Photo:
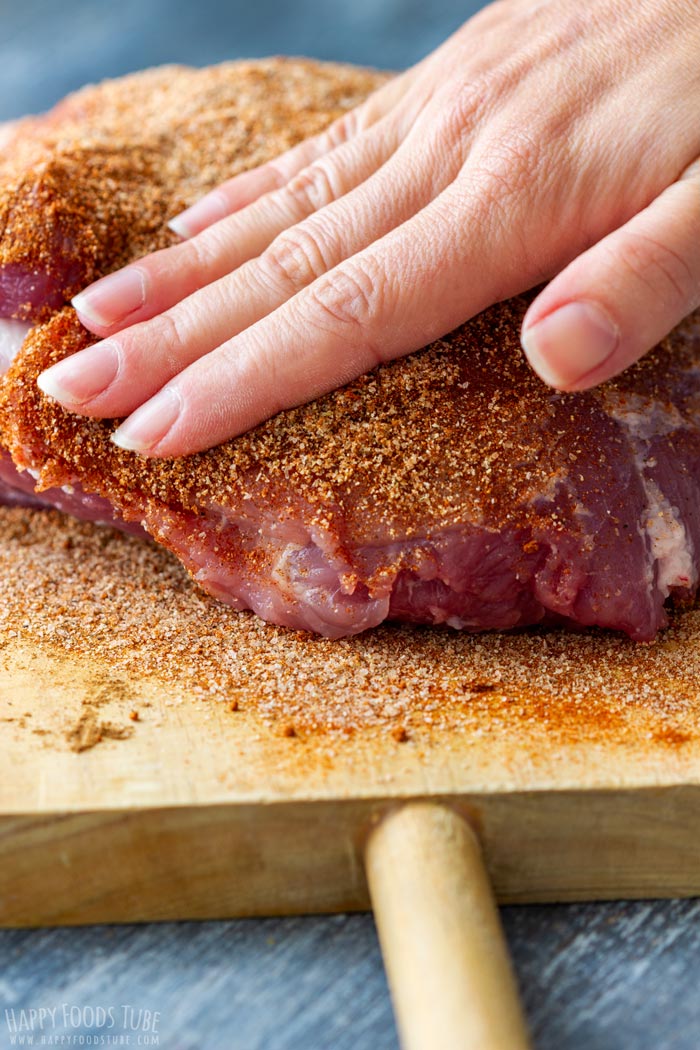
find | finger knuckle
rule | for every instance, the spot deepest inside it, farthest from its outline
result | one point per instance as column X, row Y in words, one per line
column 294, row 259
column 199, row 253
column 500, row 189
column 314, row 187
column 464, row 106
column 658, row 266
column 272, row 174
column 350, row 299
column 508, row 166
column 462, row 109
column 342, row 130
column 169, row 333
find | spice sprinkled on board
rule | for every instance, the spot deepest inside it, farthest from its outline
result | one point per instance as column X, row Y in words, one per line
column 126, row 611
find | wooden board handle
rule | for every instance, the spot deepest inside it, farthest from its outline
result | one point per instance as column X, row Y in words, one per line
column 445, row 954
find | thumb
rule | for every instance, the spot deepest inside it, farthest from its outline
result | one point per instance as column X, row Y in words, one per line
column 622, row 296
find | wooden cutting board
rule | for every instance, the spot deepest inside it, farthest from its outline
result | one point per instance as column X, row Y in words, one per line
column 163, row 757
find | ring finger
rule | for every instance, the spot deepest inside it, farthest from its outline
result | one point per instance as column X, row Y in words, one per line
column 114, row 377
column 158, row 281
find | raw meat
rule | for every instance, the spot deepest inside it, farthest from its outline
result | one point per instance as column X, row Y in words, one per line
column 451, row 487
column 17, row 487
column 17, row 490
column 91, row 184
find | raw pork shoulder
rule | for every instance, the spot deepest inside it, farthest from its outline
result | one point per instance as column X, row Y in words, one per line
column 450, row 487
column 90, row 185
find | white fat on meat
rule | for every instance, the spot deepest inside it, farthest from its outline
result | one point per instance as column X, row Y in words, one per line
column 670, row 547
column 669, row 542
column 12, row 335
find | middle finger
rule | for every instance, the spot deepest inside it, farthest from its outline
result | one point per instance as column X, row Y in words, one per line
column 115, row 377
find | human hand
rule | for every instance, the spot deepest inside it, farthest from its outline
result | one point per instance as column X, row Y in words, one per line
column 6, row 132
column 543, row 141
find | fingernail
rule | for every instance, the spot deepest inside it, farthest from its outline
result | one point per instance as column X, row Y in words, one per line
column 569, row 343
column 205, row 212
column 82, row 376
column 147, row 426
column 112, row 298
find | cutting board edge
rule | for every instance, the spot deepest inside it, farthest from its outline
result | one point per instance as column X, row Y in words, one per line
column 547, row 783
column 215, row 861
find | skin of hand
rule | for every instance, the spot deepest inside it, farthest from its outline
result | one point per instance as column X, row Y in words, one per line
column 545, row 141
column 6, row 131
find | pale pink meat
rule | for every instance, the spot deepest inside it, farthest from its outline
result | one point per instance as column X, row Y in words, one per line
column 17, row 487
column 607, row 542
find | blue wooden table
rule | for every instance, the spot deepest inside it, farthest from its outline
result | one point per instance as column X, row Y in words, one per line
column 594, row 977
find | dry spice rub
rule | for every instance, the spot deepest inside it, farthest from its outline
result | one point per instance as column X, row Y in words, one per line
column 449, row 487
column 90, row 186
column 117, row 609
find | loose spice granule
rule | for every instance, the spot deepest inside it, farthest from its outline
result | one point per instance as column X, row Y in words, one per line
column 126, row 610
column 463, row 431
column 99, row 176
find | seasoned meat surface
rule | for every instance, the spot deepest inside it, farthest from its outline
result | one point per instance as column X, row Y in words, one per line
column 90, row 185
column 448, row 487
